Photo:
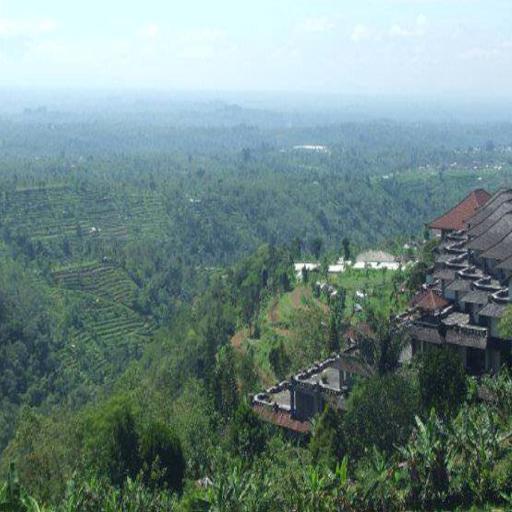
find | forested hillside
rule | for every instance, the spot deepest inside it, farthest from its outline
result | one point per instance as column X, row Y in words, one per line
column 147, row 287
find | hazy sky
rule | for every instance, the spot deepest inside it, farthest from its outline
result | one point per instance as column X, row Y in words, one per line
column 335, row 46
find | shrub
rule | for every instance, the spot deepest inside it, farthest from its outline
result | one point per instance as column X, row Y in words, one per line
column 443, row 382
column 380, row 413
column 162, row 457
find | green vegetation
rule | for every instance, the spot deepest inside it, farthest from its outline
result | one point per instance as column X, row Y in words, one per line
column 147, row 287
column 442, row 382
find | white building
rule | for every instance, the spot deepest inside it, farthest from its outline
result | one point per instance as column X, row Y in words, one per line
column 310, row 267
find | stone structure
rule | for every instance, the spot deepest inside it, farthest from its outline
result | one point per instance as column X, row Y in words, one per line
column 292, row 403
column 467, row 290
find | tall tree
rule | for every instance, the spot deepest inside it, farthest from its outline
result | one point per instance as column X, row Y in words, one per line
column 316, row 247
column 346, row 248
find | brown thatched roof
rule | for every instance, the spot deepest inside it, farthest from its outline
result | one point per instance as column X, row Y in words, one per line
column 432, row 301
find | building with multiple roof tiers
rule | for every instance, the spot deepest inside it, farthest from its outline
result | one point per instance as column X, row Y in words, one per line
column 459, row 306
column 292, row 403
column 467, row 289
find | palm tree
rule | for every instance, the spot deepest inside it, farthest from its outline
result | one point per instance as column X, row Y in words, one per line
column 383, row 344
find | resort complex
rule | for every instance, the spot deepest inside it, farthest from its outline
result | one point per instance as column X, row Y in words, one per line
column 467, row 292
column 459, row 305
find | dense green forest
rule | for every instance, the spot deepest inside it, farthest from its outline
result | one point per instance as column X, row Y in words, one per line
column 136, row 250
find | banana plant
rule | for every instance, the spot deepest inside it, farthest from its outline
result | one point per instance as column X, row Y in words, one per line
column 380, row 484
column 13, row 497
column 473, row 450
column 424, row 457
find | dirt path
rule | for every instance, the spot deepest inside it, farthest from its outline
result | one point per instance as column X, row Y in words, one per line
column 273, row 314
column 297, row 294
column 238, row 338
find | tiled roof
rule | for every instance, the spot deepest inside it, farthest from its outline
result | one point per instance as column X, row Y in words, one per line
column 487, row 223
column 282, row 419
column 497, row 232
column 459, row 285
column 444, row 274
column 455, row 219
column 493, row 310
column 499, row 198
column 476, row 297
column 444, row 258
column 354, row 365
column 456, row 318
column 501, row 251
column 473, row 337
column 431, row 301
column 506, row 264
column 430, row 334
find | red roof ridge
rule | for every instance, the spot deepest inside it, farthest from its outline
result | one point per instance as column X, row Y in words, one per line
column 456, row 217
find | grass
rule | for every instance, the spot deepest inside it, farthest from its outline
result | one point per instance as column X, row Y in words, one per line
column 278, row 318
column 277, row 324
column 378, row 287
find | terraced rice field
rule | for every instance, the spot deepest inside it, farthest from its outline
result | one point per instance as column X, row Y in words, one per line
column 110, row 334
column 99, row 279
column 106, row 330
column 39, row 214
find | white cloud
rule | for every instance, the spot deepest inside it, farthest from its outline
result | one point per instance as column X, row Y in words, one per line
column 322, row 24
column 361, row 33
column 10, row 27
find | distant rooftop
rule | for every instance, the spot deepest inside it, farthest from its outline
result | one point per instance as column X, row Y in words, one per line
column 456, row 218
column 375, row 256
